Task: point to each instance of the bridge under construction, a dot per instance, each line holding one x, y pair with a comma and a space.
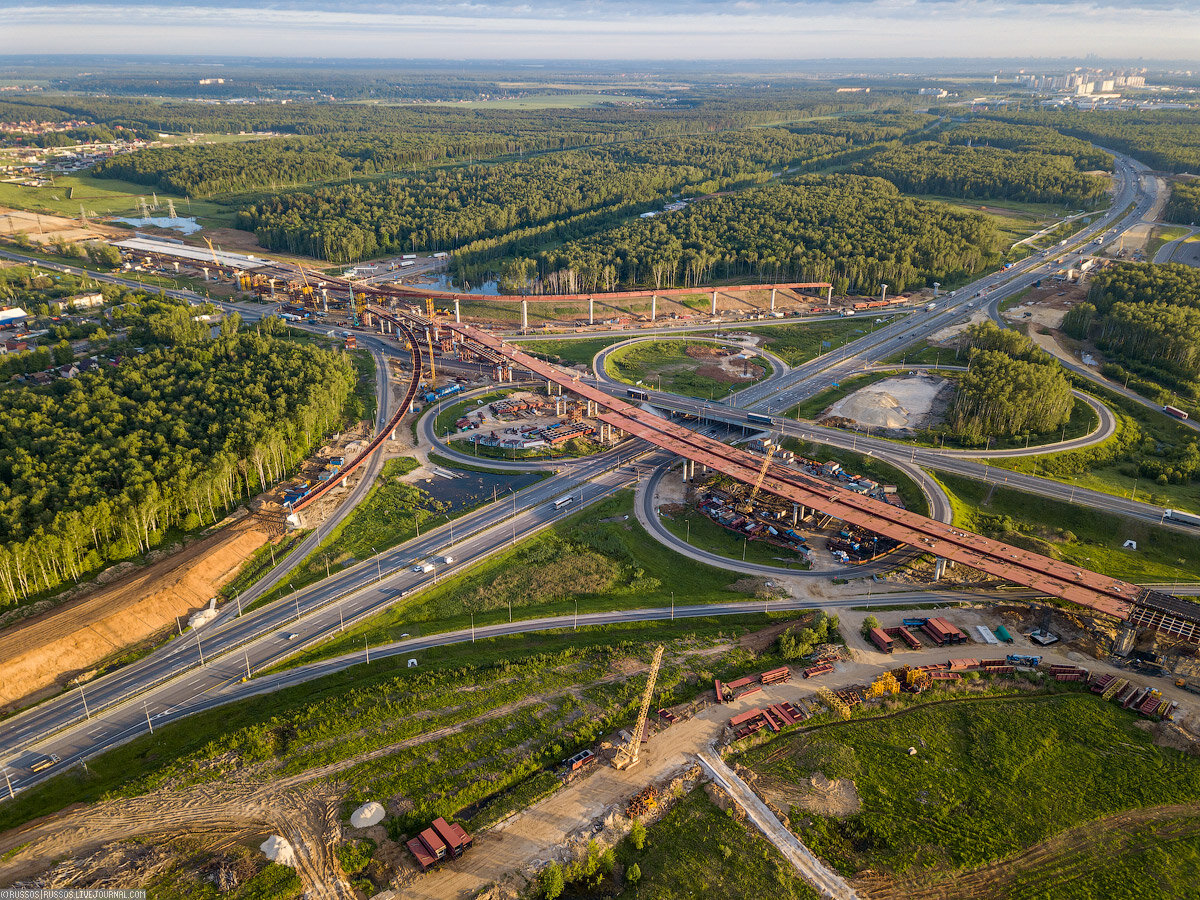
1103, 594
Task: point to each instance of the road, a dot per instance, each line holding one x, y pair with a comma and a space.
172, 681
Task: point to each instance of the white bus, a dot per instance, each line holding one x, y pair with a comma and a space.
563, 501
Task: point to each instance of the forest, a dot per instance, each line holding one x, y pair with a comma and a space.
852, 231
1184, 205
984, 173
1163, 139
1011, 387
97, 468
1147, 317
487, 211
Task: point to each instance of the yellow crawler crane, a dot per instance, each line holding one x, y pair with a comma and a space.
748, 505
627, 756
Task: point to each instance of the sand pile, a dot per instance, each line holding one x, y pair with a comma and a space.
892, 403
367, 815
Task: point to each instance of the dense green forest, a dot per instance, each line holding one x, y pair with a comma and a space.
96, 468
1034, 138
852, 231
1147, 317
1163, 139
486, 211
1184, 205
1011, 387
983, 173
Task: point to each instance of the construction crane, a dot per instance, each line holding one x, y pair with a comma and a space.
216, 262
747, 506
628, 755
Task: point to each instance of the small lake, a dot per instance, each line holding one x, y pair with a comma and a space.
471, 489
445, 283
185, 225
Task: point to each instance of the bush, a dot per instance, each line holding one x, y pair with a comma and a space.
637, 835
633, 874
551, 881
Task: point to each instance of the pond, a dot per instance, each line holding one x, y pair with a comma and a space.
179, 223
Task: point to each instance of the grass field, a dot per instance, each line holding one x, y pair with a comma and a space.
1084, 536
1163, 234
698, 851
666, 365
1014, 219
799, 343
570, 353
597, 559
567, 687
1119, 476
104, 197
990, 777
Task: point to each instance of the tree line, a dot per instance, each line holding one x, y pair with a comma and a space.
1184, 205
1011, 387
1147, 317
983, 173
1163, 139
97, 468
851, 231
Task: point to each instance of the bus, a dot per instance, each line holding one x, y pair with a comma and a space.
1175, 411
759, 419
635, 394
563, 501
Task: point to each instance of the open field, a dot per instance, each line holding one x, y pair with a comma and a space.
599, 559
1084, 536
697, 850
1099, 470
571, 353
817, 404
511, 706
796, 344
693, 369
1015, 219
103, 197
989, 778
1163, 234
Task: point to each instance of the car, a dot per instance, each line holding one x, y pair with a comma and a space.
290, 636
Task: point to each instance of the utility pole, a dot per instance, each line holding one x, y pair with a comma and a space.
146, 710
86, 711
8, 781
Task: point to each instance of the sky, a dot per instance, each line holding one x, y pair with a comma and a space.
709, 30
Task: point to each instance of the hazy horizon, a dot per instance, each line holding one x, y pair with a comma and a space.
706, 31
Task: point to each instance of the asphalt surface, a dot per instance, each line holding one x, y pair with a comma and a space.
176, 681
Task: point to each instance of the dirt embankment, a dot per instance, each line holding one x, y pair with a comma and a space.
49, 650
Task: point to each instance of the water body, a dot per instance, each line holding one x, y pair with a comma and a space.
445, 283
471, 489
185, 225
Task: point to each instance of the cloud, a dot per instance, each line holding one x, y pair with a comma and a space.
610, 29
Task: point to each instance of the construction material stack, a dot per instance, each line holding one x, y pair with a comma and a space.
833, 701
905, 635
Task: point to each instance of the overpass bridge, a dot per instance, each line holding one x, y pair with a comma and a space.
1103, 594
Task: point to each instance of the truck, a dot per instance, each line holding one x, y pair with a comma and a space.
1016, 660
929, 307
1175, 411
1183, 518
759, 419
42, 763
423, 567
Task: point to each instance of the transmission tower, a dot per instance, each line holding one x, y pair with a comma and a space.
628, 755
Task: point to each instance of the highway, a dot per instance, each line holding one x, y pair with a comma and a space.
174, 680
119, 705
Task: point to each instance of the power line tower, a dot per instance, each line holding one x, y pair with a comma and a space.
628, 755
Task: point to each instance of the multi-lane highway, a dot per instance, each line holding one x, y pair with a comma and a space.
174, 680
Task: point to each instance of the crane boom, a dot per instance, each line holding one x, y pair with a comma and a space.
628, 755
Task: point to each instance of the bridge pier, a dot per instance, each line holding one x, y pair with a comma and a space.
939, 568
772, 299
457, 317
714, 303
204, 269
936, 286
524, 315
653, 307
882, 293
829, 296
591, 311
795, 513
